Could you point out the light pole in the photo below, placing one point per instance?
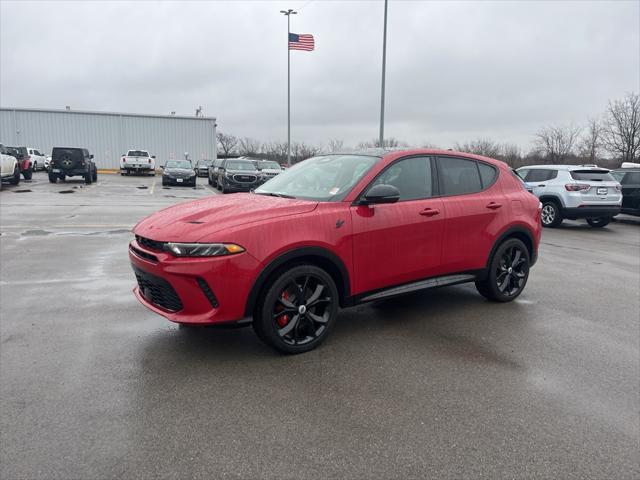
(288, 14)
(384, 61)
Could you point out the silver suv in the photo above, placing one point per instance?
(572, 192)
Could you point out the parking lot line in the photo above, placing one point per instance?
(153, 186)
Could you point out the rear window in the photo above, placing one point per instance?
(137, 153)
(592, 175)
(69, 152)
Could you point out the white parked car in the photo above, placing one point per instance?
(9, 168)
(47, 161)
(138, 161)
(38, 160)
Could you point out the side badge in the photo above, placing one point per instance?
(339, 223)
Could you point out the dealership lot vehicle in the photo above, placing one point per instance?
(237, 175)
(310, 241)
(213, 172)
(22, 155)
(138, 161)
(178, 172)
(573, 192)
(268, 169)
(72, 162)
(440, 378)
(9, 168)
(629, 179)
(37, 159)
(202, 168)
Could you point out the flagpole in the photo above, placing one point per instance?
(384, 62)
(288, 13)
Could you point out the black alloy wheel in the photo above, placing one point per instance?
(508, 272)
(298, 310)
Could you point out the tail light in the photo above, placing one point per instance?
(577, 187)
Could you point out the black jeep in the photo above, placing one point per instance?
(72, 162)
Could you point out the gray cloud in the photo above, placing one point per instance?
(456, 70)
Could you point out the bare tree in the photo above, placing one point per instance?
(556, 142)
(427, 144)
(227, 143)
(482, 146)
(248, 146)
(388, 143)
(511, 154)
(589, 147)
(621, 128)
(335, 145)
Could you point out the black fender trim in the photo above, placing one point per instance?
(515, 232)
(291, 255)
(556, 198)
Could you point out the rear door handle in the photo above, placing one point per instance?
(429, 212)
(541, 185)
(494, 206)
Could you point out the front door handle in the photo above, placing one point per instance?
(429, 212)
(494, 206)
(541, 185)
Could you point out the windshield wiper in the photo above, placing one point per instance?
(273, 194)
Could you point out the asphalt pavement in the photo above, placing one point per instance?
(439, 384)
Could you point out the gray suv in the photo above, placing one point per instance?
(573, 192)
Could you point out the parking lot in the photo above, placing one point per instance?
(438, 384)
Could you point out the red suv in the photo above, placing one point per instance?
(334, 231)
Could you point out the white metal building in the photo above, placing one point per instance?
(109, 135)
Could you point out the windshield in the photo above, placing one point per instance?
(327, 178)
(262, 165)
(249, 166)
(178, 164)
(204, 163)
(137, 153)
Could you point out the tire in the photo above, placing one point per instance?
(35, 166)
(52, 178)
(210, 181)
(16, 176)
(28, 173)
(551, 216)
(95, 175)
(297, 310)
(599, 222)
(164, 182)
(508, 272)
(222, 190)
(88, 177)
(122, 174)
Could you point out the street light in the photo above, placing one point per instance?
(384, 63)
(288, 14)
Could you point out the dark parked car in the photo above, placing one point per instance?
(268, 169)
(629, 179)
(238, 175)
(22, 155)
(202, 168)
(178, 172)
(213, 172)
(72, 162)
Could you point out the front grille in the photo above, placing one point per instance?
(207, 292)
(244, 178)
(158, 291)
(148, 243)
(145, 255)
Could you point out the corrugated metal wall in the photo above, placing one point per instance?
(109, 135)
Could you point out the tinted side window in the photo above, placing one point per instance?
(411, 176)
(539, 175)
(631, 178)
(487, 174)
(458, 176)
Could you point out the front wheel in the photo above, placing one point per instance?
(15, 180)
(53, 178)
(35, 166)
(599, 222)
(508, 272)
(297, 311)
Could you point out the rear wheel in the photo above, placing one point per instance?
(35, 166)
(15, 180)
(599, 222)
(88, 177)
(550, 215)
(508, 272)
(28, 173)
(95, 175)
(52, 178)
(297, 310)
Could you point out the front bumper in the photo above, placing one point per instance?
(228, 278)
(591, 211)
(174, 180)
(231, 185)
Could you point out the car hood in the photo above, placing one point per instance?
(177, 171)
(191, 221)
(271, 170)
(243, 172)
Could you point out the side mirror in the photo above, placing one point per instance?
(153, 156)
(161, 167)
(90, 156)
(381, 194)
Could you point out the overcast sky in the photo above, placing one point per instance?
(455, 70)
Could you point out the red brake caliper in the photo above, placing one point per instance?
(283, 319)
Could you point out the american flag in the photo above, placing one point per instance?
(301, 41)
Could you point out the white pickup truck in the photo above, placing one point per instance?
(138, 161)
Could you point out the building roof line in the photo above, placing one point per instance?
(95, 112)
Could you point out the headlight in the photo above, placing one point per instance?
(203, 249)
(228, 175)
